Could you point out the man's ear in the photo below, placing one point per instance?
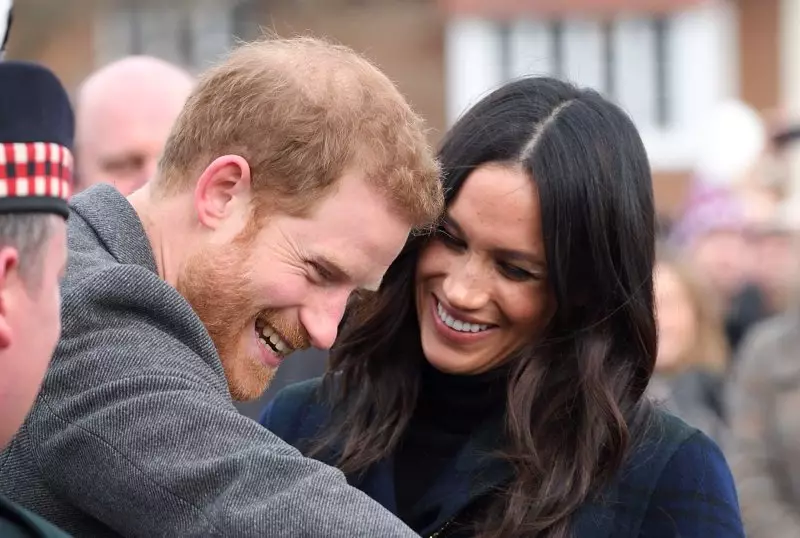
(9, 281)
(222, 187)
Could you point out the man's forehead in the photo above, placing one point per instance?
(354, 236)
(356, 230)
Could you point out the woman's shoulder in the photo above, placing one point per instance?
(297, 411)
(686, 480)
(667, 444)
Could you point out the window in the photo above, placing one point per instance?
(666, 71)
(189, 33)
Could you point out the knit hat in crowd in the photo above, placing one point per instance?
(710, 209)
(37, 127)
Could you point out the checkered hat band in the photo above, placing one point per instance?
(35, 169)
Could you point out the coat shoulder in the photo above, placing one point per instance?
(686, 480)
(695, 495)
(297, 412)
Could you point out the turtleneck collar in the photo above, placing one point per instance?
(459, 403)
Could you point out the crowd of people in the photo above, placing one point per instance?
(519, 344)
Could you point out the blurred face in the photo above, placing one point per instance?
(285, 287)
(481, 284)
(677, 322)
(30, 325)
(121, 138)
(776, 270)
(724, 257)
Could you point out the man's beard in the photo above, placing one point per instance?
(217, 283)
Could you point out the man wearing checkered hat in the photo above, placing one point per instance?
(36, 130)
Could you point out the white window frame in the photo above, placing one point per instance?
(700, 45)
(210, 26)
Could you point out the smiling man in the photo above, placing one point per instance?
(291, 179)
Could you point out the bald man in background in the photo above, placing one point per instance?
(124, 114)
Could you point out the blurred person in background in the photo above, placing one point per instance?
(764, 393)
(774, 237)
(692, 348)
(776, 252)
(36, 134)
(494, 384)
(125, 111)
(279, 193)
(713, 230)
(713, 235)
(764, 450)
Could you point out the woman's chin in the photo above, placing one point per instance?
(449, 362)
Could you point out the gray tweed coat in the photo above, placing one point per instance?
(134, 432)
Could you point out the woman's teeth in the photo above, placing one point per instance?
(457, 324)
(269, 337)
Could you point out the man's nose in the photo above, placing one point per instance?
(321, 320)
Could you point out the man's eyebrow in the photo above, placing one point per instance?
(333, 270)
(337, 273)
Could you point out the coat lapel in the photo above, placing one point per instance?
(378, 483)
(473, 473)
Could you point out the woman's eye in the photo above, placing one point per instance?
(516, 273)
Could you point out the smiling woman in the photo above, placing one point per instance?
(494, 385)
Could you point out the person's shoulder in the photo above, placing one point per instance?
(770, 339)
(691, 455)
(97, 285)
(88, 277)
(301, 391)
(92, 270)
(662, 432)
(297, 411)
(656, 440)
(122, 322)
(767, 353)
(693, 493)
(293, 400)
(109, 252)
(129, 301)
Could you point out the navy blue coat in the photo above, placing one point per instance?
(675, 484)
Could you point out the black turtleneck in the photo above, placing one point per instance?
(449, 408)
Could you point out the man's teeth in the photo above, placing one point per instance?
(269, 336)
(457, 324)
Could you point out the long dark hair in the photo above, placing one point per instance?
(575, 394)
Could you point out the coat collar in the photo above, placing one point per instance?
(473, 473)
(116, 224)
